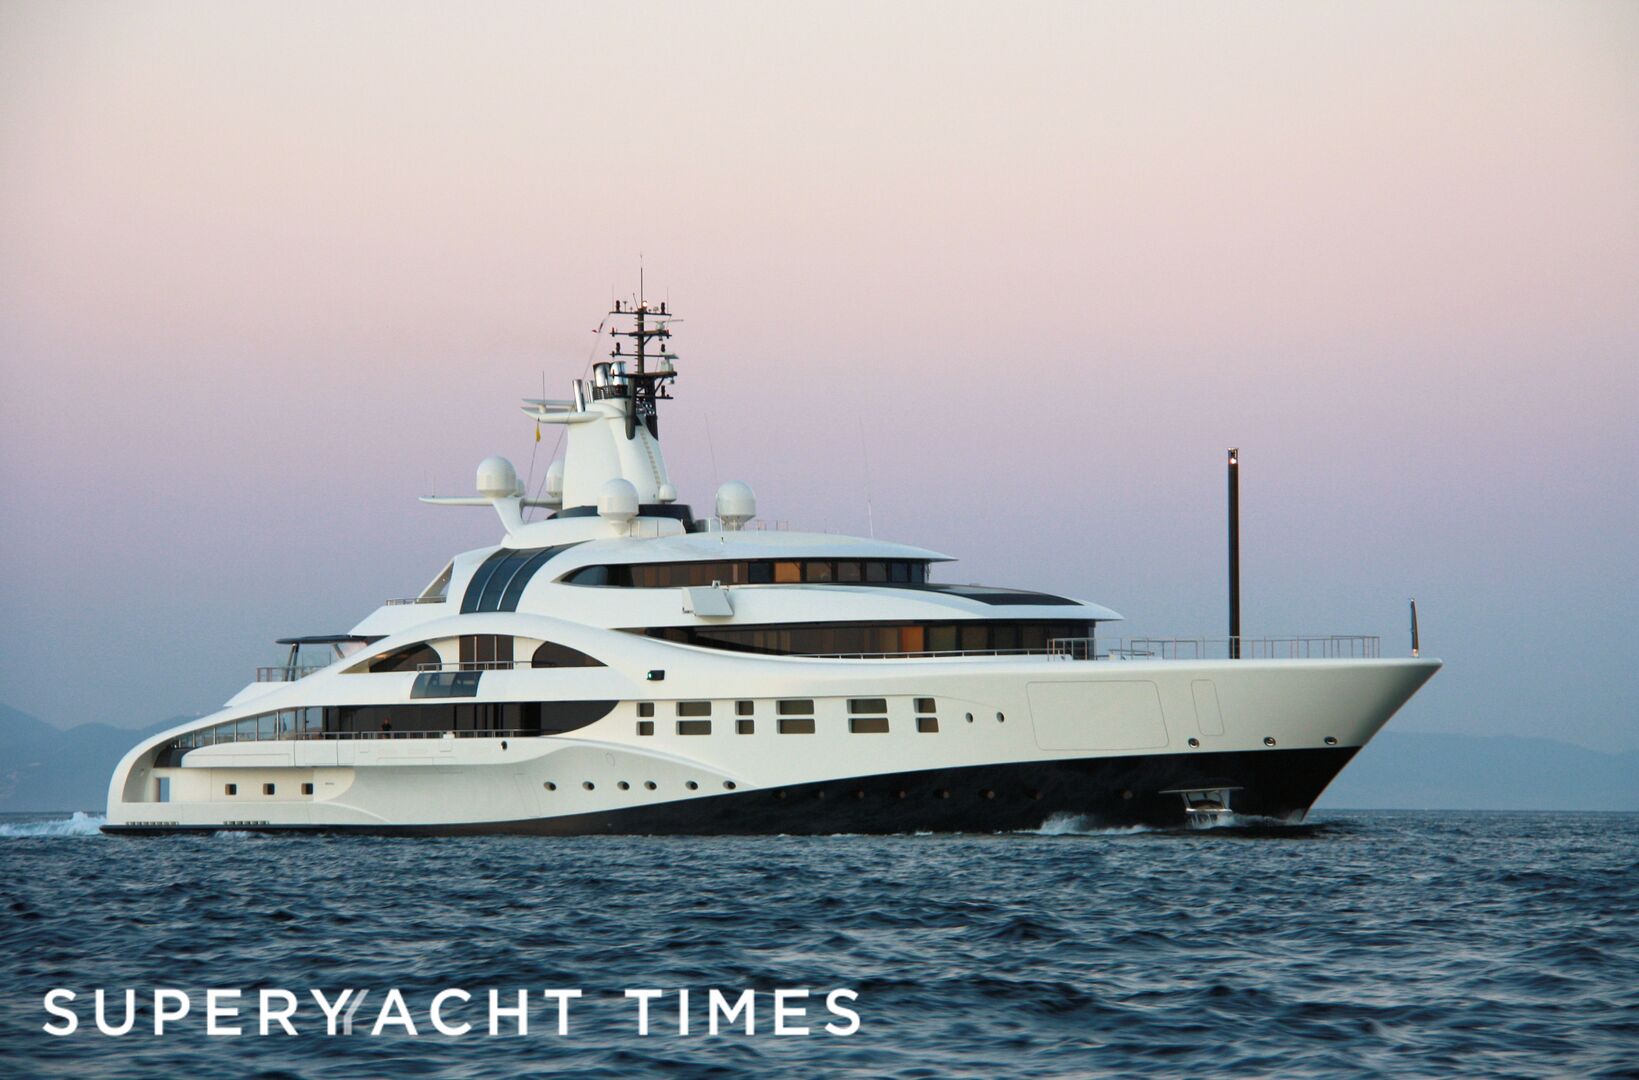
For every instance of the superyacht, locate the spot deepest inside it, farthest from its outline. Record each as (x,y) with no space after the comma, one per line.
(626,665)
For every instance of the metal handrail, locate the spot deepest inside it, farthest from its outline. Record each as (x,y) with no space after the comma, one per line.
(287,672)
(920,655)
(476,665)
(414,600)
(1295,647)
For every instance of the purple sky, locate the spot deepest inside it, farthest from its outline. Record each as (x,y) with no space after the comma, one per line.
(268,272)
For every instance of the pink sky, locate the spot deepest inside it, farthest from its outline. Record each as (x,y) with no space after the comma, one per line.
(270,270)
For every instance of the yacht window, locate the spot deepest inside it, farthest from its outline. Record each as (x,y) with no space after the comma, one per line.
(694,727)
(645,708)
(445,684)
(307,789)
(941,638)
(787,572)
(925,704)
(409,658)
(645,727)
(267,789)
(694,708)
(927,725)
(760,573)
(868,705)
(817,571)
(797,707)
(899,573)
(868,725)
(230,789)
(482,651)
(796,725)
(551,654)
(848,571)
(975,637)
(875,571)
(743,708)
(745,727)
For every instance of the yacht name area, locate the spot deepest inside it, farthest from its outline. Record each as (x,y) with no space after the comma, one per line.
(451,1013)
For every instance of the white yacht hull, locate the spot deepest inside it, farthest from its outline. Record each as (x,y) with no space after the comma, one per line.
(1018,741)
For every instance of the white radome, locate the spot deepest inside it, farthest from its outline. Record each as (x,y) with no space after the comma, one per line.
(497,479)
(736,504)
(617,500)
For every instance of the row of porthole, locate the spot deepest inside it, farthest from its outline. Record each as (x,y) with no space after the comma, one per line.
(1000,718)
(648,785)
(1268,740)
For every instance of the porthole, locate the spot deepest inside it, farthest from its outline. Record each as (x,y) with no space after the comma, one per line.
(970,718)
(1269,740)
(503,744)
(1331,740)
(624,786)
(649,784)
(588,785)
(692,786)
(1194,742)
(987,793)
(307,789)
(729,785)
(550,786)
(1000,719)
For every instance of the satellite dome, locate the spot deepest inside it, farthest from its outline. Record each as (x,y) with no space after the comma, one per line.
(666,494)
(497,479)
(736,504)
(617,501)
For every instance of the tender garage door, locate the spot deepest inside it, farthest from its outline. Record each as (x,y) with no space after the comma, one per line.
(1104,715)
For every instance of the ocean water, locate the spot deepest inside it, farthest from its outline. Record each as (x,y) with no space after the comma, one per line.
(1392,944)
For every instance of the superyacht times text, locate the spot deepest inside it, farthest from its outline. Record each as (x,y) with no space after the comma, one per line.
(450,1013)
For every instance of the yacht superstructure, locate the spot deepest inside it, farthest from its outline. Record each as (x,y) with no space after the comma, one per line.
(623,666)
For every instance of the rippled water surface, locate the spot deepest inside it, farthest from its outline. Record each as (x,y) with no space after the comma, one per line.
(1392,944)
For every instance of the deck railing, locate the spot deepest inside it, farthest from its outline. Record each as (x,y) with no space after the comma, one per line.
(287,672)
(1317,647)
(399,601)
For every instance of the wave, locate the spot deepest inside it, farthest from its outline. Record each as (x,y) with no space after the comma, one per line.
(1082,825)
(78,824)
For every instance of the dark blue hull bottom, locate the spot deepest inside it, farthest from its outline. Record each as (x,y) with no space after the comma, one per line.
(1108,791)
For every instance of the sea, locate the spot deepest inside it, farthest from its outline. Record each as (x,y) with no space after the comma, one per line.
(1356,944)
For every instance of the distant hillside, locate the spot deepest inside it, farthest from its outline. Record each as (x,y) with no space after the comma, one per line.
(46,768)
(1407,771)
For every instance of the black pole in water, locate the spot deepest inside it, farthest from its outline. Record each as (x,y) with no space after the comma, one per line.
(1234,554)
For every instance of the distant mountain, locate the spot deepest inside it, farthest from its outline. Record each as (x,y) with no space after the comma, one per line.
(47,768)
(1410,771)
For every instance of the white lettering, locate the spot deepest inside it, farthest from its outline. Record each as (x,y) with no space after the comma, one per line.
(215,1012)
(436,1013)
(746,1003)
(393,1002)
(563,997)
(352,1011)
(332,1012)
(496,1011)
(70,1020)
(130,1014)
(781,1012)
(280,1016)
(853,1018)
(161,995)
(643,998)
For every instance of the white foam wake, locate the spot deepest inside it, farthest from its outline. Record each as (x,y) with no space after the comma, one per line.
(79,824)
(1081,825)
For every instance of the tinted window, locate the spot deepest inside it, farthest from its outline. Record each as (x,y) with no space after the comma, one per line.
(798,707)
(551,654)
(793,725)
(694,708)
(409,658)
(694,727)
(868,705)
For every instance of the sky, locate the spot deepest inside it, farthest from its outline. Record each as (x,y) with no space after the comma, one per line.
(1000,280)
